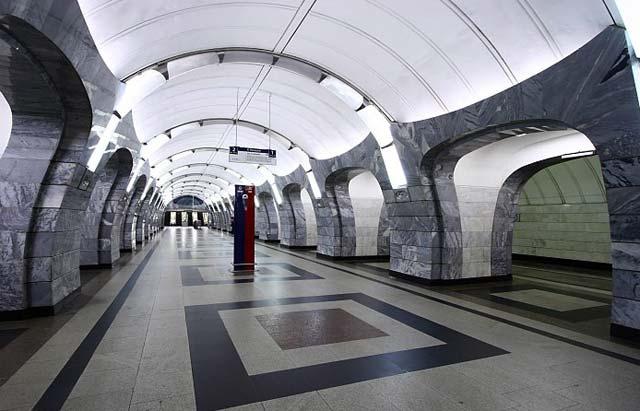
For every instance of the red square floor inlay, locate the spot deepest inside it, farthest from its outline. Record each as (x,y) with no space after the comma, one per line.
(299,329)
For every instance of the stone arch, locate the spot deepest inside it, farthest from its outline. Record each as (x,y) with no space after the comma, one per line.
(459,219)
(591,91)
(42,170)
(110,233)
(267,218)
(142,222)
(104,204)
(128,234)
(297,218)
(338,236)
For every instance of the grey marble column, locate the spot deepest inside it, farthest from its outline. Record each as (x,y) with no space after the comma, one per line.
(128,234)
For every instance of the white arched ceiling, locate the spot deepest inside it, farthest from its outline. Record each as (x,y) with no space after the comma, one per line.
(209,137)
(491,165)
(416,58)
(572,182)
(308,114)
(202,162)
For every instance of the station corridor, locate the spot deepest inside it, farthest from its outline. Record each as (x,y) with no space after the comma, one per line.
(173,328)
(320,205)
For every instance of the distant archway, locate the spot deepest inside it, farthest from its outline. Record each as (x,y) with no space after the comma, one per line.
(297,218)
(360,226)
(267,219)
(102,217)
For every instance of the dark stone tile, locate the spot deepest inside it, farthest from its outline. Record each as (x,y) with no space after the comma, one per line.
(316,327)
(6,336)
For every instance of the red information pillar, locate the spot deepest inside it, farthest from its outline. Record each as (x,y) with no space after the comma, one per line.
(244,229)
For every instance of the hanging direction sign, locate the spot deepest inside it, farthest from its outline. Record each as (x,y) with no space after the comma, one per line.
(264,156)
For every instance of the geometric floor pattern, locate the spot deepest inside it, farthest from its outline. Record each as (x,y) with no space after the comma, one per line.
(173,329)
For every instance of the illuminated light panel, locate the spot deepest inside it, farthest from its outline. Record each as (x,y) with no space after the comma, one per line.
(315,189)
(392,163)
(135,175)
(579,154)
(136,89)
(181,155)
(351,98)
(153,145)
(103,143)
(377,124)
(176,170)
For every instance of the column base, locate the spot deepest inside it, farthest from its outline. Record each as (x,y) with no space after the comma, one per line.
(32,312)
(452,281)
(628,333)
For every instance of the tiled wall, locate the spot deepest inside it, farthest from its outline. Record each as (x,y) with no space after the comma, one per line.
(572,231)
(367,201)
(563,213)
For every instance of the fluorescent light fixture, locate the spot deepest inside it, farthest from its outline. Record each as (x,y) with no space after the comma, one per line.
(392,163)
(181,155)
(256,202)
(630,12)
(164,163)
(578,154)
(276,192)
(302,158)
(103,143)
(135,175)
(153,145)
(175,132)
(176,170)
(279,138)
(233,173)
(245,181)
(351,98)
(267,174)
(146,188)
(635,69)
(225,182)
(315,189)
(377,124)
(136,89)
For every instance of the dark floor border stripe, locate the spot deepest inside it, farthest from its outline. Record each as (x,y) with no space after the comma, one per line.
(60,388)
(567,340)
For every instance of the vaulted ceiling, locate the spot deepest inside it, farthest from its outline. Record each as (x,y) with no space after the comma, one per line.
(294,72)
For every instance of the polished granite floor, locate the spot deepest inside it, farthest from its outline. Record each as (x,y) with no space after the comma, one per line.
(173,329)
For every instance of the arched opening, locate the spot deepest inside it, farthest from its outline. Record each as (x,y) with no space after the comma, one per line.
(104,211)
(128,233)
(184,210)
(526,202)
(482,176)
(297,218)
(370,216)
(50,121)
(267,219)
(142,225)
(562,221)
(359,223)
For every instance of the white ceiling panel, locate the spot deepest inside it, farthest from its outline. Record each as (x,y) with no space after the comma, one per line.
(132,34)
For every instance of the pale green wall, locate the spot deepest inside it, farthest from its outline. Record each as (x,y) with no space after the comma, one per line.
(562,213)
